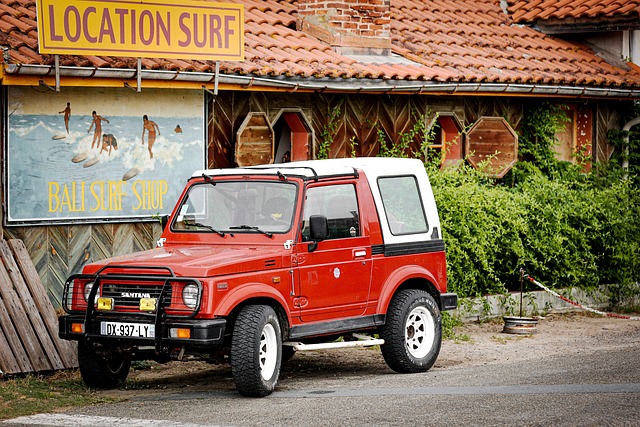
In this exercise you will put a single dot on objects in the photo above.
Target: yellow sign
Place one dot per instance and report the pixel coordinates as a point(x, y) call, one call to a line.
point(181, 29)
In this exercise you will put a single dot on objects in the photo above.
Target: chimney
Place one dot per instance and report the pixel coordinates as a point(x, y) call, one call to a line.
point(350, 27)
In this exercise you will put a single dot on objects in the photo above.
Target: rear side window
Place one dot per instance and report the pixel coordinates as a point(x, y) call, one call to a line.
point(403, 205)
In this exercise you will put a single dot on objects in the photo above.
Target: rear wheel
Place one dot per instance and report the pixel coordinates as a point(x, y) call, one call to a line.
point(105, 370)
point(256, 351)
point(412, 333)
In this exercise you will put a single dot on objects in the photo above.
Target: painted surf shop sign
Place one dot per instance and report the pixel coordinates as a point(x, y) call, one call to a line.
point(149, 29)
point(92, 154)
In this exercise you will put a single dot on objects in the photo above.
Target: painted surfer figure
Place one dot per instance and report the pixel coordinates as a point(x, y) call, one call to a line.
point(67, 115)
point(108, 142)
point(151, 126)
point(97, 120)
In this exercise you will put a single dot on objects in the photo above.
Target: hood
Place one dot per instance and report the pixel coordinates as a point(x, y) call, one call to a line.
point(202, 261)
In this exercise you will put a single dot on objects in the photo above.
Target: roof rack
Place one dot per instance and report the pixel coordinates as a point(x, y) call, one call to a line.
point(311, 174)
point(315, 176)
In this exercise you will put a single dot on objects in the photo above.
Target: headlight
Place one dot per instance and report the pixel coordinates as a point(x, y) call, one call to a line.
point(190, 295)
point(87, 291)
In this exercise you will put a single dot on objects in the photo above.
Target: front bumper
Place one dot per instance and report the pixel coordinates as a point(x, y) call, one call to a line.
point(205, 333)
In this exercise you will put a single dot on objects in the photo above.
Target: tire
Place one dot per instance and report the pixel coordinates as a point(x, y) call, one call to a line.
point(256, 351)
point(100, 372)
point(412, 333)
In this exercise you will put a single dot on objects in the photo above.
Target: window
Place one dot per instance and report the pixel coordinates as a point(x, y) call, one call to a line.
point(237, 207)
point(339, 204)
point(447, 146)
point(403, 205)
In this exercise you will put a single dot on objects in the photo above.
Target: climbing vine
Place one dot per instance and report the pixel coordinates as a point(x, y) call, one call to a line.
point(328, 132)
point(537, 139)
point(421, 131)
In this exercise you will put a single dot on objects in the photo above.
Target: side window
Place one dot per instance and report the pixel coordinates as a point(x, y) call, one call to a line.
point(339, 204)
point(403, 205)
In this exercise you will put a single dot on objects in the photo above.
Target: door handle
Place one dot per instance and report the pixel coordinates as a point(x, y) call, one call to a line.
point(359, 253)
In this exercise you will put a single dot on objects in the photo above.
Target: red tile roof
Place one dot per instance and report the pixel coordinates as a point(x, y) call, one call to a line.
point(462, 41)
point(533, 10)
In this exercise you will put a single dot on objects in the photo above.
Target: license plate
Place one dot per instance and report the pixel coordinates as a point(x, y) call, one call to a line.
point(121, 329)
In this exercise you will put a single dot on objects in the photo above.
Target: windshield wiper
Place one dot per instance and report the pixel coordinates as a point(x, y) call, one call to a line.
point(208, 227)
point(251, 227)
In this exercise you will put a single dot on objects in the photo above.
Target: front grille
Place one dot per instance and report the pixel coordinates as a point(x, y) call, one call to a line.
point(129, 295)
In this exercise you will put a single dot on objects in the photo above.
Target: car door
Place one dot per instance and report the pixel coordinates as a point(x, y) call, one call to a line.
point(334, 274)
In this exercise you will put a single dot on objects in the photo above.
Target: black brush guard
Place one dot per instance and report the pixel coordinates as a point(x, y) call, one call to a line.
point(159, 283)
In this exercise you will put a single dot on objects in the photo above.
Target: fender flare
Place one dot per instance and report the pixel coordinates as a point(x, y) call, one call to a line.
point(249, 291)
point(397, 278)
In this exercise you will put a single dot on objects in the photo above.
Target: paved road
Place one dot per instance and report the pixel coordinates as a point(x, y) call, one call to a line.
point(578, 371)
point(587, 389)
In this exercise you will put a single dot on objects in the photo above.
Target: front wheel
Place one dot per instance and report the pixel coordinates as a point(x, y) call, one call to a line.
point(412, 333)
point(106, 370)
point(256, 351)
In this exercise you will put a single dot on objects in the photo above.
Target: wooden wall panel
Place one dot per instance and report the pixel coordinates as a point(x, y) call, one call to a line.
point(220, 131)
point(144, 235)
point(476, 107)
point(79, 238)
point(361, 120)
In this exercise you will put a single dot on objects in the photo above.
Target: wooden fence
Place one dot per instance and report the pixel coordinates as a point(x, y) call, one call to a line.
point(28, 323)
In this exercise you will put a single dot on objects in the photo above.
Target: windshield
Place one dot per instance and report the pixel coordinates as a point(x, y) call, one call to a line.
point(237, 207)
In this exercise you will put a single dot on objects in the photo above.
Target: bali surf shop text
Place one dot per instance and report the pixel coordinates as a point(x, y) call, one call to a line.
point(110, 196)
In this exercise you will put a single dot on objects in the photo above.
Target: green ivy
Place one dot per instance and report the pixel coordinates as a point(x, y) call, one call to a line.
point(328, 132)
point(538, 131)
point(536, 146)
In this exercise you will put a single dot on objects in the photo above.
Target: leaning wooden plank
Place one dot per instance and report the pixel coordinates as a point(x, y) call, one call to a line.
point(25, 331)
point(66, 349)
point(16, 351)
point(8, 362)
point(20, 287)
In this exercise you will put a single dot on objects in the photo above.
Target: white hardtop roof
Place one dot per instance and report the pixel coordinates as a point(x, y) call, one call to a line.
point(371, 166)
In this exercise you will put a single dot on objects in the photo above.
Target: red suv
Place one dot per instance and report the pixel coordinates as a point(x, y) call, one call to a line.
point(257, 263)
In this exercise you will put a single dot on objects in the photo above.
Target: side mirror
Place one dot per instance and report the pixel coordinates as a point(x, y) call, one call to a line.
point(319, 230)
point(164, 220)
point(319, 227)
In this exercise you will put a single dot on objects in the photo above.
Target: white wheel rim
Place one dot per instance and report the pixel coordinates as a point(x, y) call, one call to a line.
point(419, 332)
point(268, 354)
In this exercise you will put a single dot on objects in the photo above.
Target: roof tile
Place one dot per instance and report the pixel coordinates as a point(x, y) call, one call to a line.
point(531, 11)
point(447, 41)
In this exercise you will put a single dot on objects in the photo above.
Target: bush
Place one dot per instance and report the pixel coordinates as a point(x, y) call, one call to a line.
point(565, 233)
point(482, 226)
